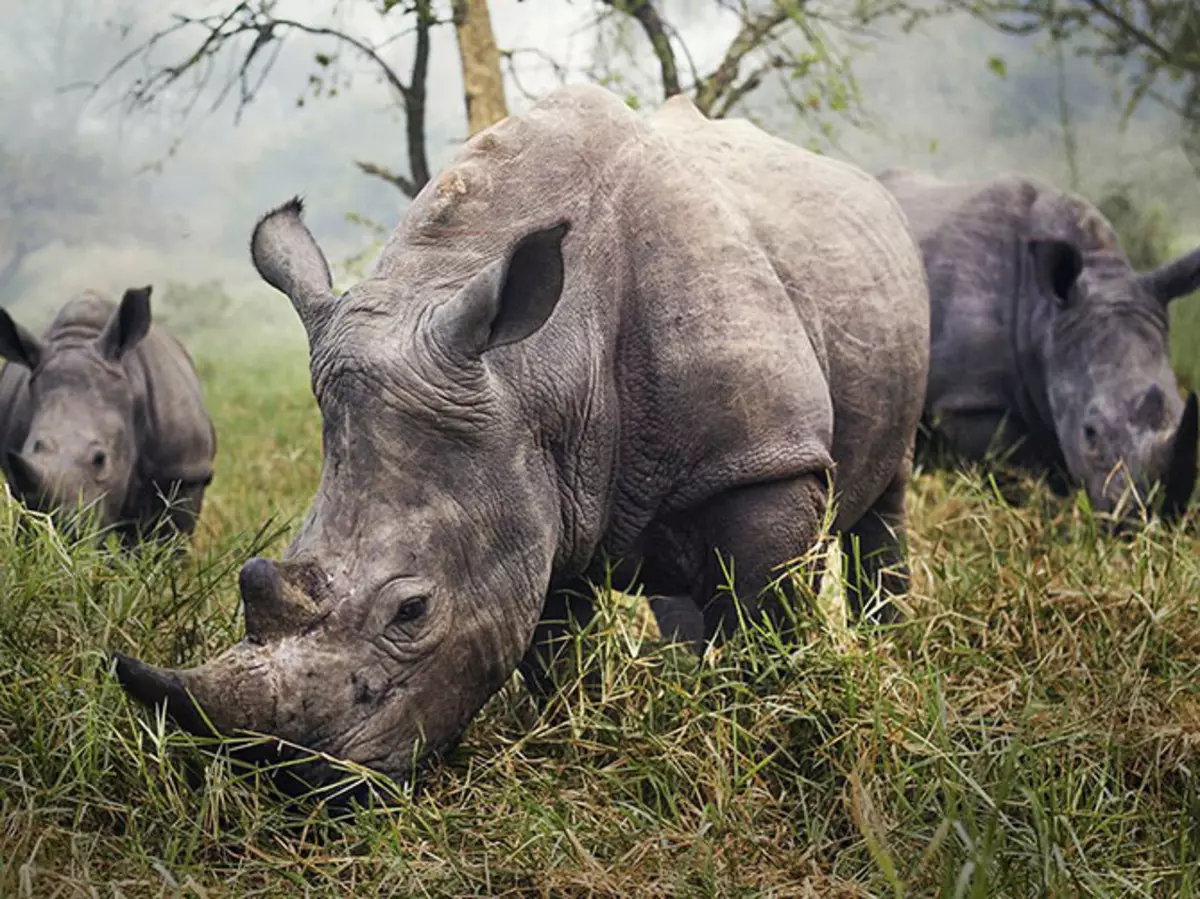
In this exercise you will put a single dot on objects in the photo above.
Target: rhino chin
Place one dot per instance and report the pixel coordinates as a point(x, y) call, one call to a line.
point(1180, 478)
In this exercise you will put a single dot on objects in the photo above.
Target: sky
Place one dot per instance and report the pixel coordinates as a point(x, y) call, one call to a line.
point(179, 195)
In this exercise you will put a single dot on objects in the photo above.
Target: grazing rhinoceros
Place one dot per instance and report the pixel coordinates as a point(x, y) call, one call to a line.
point(595, 334)
point(105, 409)
point(1047, 347)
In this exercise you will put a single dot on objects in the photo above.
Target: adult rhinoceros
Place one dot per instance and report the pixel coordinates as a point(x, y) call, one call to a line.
point(1047, 347)
point(105, 408)
point(594, 334)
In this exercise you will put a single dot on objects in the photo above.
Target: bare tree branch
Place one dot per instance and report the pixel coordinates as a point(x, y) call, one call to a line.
point(402, 184)
point(737, 92)
point(749, 38)
point(256, 18)
point(656, 31)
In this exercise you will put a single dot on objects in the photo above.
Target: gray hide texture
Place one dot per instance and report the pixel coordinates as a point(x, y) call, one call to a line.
point(1048, 350)
point(105, 410)
point(594, 334)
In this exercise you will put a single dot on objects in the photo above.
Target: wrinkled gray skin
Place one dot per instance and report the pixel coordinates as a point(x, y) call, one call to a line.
point(595, 333)
point(1047, 347)
point(105, 409)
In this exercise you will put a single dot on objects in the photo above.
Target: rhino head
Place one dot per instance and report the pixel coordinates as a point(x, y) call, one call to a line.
point(414, 584)
point(1112, 394)
point(81, 446)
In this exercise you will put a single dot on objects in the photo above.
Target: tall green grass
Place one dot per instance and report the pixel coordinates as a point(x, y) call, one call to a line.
point(1033, 728)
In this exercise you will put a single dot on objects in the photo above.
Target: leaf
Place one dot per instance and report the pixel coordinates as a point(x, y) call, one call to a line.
point(997, 66)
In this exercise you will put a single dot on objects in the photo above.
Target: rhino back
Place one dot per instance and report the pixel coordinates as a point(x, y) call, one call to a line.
point(705, 314)
point(840, 246)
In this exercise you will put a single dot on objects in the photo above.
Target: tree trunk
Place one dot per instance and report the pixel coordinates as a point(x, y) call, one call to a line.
point(482, 81)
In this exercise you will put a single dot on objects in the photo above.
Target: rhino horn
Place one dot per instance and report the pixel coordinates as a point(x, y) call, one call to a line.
point(287, 257)
point(160, 686)
point(274, 608)
point(1181, 470)
point(27, 479)
point(1174, 279)
point(231, 693)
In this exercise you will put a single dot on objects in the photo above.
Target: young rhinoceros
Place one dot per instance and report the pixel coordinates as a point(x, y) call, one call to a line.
point(594, 334)
point(105, 410)
point(1047, 347)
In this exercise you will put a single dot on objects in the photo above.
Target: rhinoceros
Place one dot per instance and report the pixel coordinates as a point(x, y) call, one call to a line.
point(595, 335)
point(105, 409)
point(1048, 349)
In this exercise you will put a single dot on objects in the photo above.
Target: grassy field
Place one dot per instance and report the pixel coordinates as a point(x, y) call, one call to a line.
point(1033, 728)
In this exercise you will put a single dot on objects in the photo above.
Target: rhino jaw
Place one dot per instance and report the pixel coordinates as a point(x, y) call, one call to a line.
point(157, 686)
point(1180, 479)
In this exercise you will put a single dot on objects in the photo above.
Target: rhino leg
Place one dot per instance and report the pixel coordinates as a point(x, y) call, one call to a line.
point(547, 660)
point(679, 620)
point(160, 511)
point(750, 533)
point(875, 554)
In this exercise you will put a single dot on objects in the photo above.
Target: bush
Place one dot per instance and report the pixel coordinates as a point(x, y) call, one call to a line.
point(1145, 234)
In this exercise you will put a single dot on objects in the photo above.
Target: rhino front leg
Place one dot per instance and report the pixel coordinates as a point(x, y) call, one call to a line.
point(875, 553)
point(679, 620)
point(751, 533)
point(547, 660)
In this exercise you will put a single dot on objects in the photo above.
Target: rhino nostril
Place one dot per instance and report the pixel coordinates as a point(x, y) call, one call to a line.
point(99, 457)
point(39, 446)
point(1090, 436)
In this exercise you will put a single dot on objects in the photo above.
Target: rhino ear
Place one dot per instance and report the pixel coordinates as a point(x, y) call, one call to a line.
point(1056, 266)
point(17, 345)
point(510, 299)
point(128, 325)
point(1174, 279)
point(287, 257)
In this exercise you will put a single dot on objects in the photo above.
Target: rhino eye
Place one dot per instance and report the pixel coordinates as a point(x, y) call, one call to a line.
point(411, 610)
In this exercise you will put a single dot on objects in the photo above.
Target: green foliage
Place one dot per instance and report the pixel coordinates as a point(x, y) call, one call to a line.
point(192, 310)
point(1032, 729)
point(1144, 229)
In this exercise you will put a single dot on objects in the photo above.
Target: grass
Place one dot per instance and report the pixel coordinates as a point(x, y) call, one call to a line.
point(1033, 728)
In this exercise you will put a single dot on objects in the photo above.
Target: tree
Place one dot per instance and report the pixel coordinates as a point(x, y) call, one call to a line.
point(1155, 42)
point(790, 41)
point(253, 33)
point(781, 37)
point(483, 83)
point(56, 187)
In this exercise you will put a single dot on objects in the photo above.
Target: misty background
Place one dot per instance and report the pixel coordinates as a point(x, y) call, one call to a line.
point(93, 194)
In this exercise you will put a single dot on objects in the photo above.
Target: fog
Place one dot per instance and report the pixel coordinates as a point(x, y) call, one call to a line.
point(97, 195)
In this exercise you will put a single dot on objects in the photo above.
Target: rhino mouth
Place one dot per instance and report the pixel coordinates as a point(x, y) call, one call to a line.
point(295, 771)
